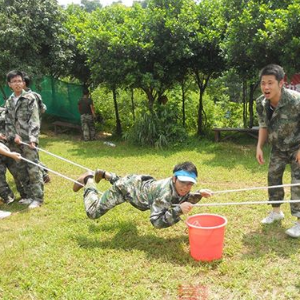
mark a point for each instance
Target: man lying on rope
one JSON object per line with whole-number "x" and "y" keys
{"x": 144, "y": 193}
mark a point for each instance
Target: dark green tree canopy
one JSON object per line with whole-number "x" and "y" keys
{"x": 32, "y": 37}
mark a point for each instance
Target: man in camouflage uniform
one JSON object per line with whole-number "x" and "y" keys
{"x": 42, "y": 109}
{"x": 87, "y": 116}
{"x": 6, "y": 193}
{"x": 167, "y": 199}
{"x": 278, "y": 112}
{"x": 22, "y": 124}
{"x": 11, "y": 165}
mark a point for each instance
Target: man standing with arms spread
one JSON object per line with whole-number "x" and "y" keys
{"x": 278, "y": 112}
{"x": 87, "y": 112}
{"x": 22, "y": 124}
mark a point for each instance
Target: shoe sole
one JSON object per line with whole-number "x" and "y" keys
{"x": 77, "y": 186}
{"x": 98, "y": 175}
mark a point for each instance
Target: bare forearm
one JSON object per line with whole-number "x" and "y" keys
{"x": 262, "y": 137}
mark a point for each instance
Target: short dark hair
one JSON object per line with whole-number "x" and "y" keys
{"x": 12, "y": 74}
{"x": 26, "y": 79}
{"x": 272, "y": 69}
{"x": 186, "y": 166}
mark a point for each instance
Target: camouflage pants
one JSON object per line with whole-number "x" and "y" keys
{"x": 5, "y": 191}
{"x": 21, "y": 179}
{"x": 88, "y": 127}
{"x": 278, "y": 161}
{"x": 123, "y": 189}
{"x": 33, "y": 185}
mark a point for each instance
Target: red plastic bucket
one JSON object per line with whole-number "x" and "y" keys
{"x": 206, "y": 236}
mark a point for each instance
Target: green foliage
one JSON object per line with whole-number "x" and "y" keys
{"x": 32, "y": 37}
{"x": 227, "y": 114}
{"x": 103, "y": 101}
{"x": 159, "y": 128}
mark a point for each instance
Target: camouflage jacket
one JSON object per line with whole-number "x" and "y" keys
{"x": 23, "y": 118}
{"x": 41, "y": 105}
{"x": 2, "y": 124}
{"x": 160, "y": 196}
{"x": 163, "y": 201}
{"x": 2, "y": 120}
{"x": 284, "y": 125}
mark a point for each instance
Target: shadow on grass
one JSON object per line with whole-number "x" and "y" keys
{"x": 127, "y": 238}
{"x": 14, "y": 208}
{"x": 270, "y": 239}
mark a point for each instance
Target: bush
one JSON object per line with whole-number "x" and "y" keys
{"x": 159, "y": 128}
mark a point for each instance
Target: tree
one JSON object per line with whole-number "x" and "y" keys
{"x": 105, "y": 45}
{"x": 75, "y": 23}
{"x": 205, "y": 58}
{"x": 154, "y": 46}
{"x": 263, "y": 32}
{"x": 32, "y": 37}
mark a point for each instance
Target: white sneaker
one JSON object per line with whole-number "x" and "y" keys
{"x": 272, "y": 217}
{"x": 294, "y": 231}
{"x": 4, "y": 214}
{"x": 10, "y": 200}
{"x": 34, "y": 204}
{"x": 25, "y": 201}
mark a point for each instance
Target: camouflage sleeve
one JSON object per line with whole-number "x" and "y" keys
{"x": 194, "y": 197}
{"x": 260, "y": 112}
{"x": 163, "y": 214}
{"x": 34, "y": 121}
{"x": 10, "y": 130}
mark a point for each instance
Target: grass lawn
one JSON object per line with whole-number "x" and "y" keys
{"x": 56, "y": 252}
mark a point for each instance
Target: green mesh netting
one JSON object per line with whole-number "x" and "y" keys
{"x": 60, "y": 97}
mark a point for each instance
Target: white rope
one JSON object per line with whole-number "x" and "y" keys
{"x": 214, "y": 192}
{"x": 59, "y": 157}
{"x": 246, "y": 203}
{"x": 59, "y": 174}
{"x": 253, "y": 188}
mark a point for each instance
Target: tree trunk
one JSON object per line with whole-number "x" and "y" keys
{"x": 253, "y": 87}
{"x": 244, "y": 104}
{"x": 118, "y": 121}
{"x": 202, "y": 81}
{"x": 151, "y": 97}
{"x": 183, "y": 103}
{"x": 132, "y": 105}
{"x": 200, "y": 130}
{"x": 251, "y": 105}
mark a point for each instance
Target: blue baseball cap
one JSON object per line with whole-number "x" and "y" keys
{"x": 186, "y": 176}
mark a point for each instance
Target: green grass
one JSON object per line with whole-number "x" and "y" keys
{"x": 56, "y": 252}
